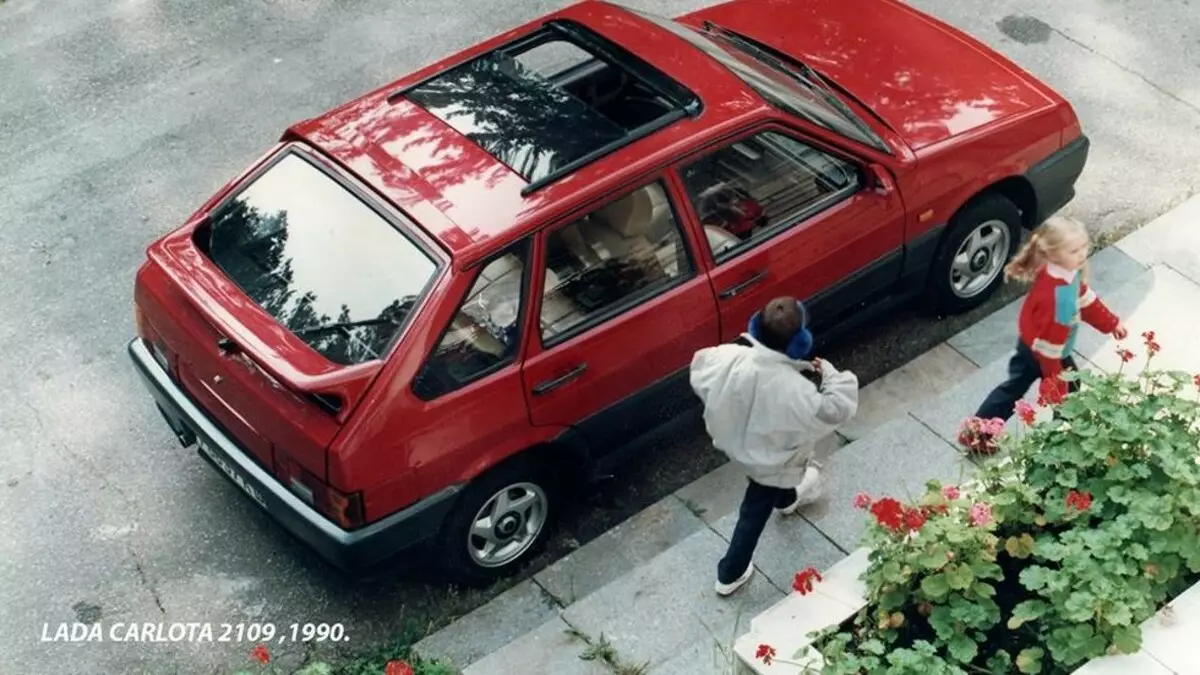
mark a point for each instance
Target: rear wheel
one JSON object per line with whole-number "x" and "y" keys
{"x": 501, "y": 521}
{"x": 969, "y": 266}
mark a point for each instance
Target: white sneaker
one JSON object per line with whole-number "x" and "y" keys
{"x": 728, "y": 589}
{"x": 807, "y": 492}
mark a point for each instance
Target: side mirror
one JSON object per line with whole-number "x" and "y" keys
{"x": 881, "y": 179}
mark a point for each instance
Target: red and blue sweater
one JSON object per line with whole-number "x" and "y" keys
{"x": 1050, "y": 318}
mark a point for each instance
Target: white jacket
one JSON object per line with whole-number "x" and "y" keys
{"x": 763, "y": 413}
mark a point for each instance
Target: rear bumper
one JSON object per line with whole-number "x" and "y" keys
{"x": 353, "y": 551}
{"x": 1053, "y": 179}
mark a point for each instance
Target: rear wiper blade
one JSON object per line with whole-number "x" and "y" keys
{"x": 343, "y": 325}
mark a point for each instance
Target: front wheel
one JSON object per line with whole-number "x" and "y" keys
{"x": 502, "y": 519}
{"x": 970, "y": 263}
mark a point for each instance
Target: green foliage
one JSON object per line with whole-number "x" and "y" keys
{"x": 1054, "y": 557}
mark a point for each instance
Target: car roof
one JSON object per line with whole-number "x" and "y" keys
{"x": 471, "y": 202}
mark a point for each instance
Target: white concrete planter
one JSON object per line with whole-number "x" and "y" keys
{"x": 1169, "y": 638}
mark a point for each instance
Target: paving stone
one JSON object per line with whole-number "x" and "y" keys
{"x": 508, "y": 616}
{"x": 1112, "y": 268}
{"x": 1172, "y": 239}
{"x": 895, "y": 459}
{"x": 788, "y": 545}
{"x": 549, "y": 650}
{"x": 1152, "y": 301}
{"x": 992, "y": 338}
{"x": 715, "y": 494}
{"x": 614, "y": 553}
{"x": 894, "y": 394}
{"x": 660, "y": 609}
{"x": 705, "y": 657}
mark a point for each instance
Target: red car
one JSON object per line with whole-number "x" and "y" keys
{"x": 428, "y": 315}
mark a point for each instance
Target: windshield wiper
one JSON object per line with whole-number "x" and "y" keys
{"x": 800, "y": 72}
{"x": 343, "y": 325}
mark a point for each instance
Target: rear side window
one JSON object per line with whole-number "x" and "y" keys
{"x": 323, "y": 263}
{"x": 483, "y": 334}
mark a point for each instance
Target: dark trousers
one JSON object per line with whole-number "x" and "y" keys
{"x": 756, "y": 508}
{"x": 1023, "y": 371}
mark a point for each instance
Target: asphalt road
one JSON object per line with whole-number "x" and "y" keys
{"x": 117, "y": 118}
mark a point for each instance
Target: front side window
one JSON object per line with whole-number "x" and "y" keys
{"x": 483, "y": 334}
{"x": 747, "y": 191}
{"x": 319, "y": 260}
{"x": 610, "y": 260}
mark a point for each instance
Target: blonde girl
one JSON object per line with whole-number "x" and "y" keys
{"x": 1054, "y": 261}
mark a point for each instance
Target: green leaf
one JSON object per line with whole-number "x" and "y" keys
{"x": 1030, "y": 660}
{"x": 1036, "y": 578}
{"x": 936, "y": 586}
{"x": 984, "y": 590}
{"x": 1027, "y": 611}
{"x": 1000, "y": 662}
{"x": 960, "y": 577}
{"x": 1079, "y": 607}
{"x": 873, "y": 646}
{"x": 1128, "y": 639}
{"x": 962, "y": 648}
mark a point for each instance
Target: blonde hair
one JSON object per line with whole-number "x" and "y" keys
{"x": 1049, "y": 237}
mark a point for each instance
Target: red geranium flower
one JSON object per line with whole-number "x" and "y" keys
{"x": 1196, "y": 381}
{"x": 1080, "y": 501}
{"x": 397, "y": 667}
{"x": 1051, "y": 391}
{"x": 765, "y": 653}
{"x": 914, "y": 519}
{"x": 1125, "y": 354}
{"x": 803, "y": 583}
{"x": 1026, "y": 412}
{"x": 889, "y": 513}
{"x": 1151, "y": 346}
{"x": 260, "y": 654}
{"x": 862, "y": 500}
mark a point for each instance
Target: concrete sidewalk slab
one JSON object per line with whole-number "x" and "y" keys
{"x": 631, "y": 543}
{"x": 1154, "y": 301}
{"x": 1172, "y": 239}
{"x": 659, "y": 610}
{"x": 513, "y": 613}
{"x": 894, "y": 394}
{"x": 788, "y": 545}
{"x": 551, "y": 649}
{"x": 895, "y": 459}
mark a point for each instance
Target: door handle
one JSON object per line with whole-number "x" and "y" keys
{"x": 738, "y": 288}
{"x": 548, "y": 386}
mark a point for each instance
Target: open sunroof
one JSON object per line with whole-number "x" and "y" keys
{"x": 554, "y": 101}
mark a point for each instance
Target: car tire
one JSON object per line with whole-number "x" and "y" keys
{"x": 983, "y": 236}
{"x": 520, "y": 501}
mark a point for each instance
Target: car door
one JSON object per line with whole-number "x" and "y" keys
{"x": 621, "y": 308}
{"x": 785, "y": 216}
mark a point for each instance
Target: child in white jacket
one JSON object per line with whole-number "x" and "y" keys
{"x": 765, "y": 407}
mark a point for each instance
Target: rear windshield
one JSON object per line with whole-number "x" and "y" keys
{"x": 320, "y": 261}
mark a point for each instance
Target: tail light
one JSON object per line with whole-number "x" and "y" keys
{"x": 346, "y": 510}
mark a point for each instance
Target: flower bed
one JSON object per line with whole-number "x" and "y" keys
{"x": 1053, "y": 557}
